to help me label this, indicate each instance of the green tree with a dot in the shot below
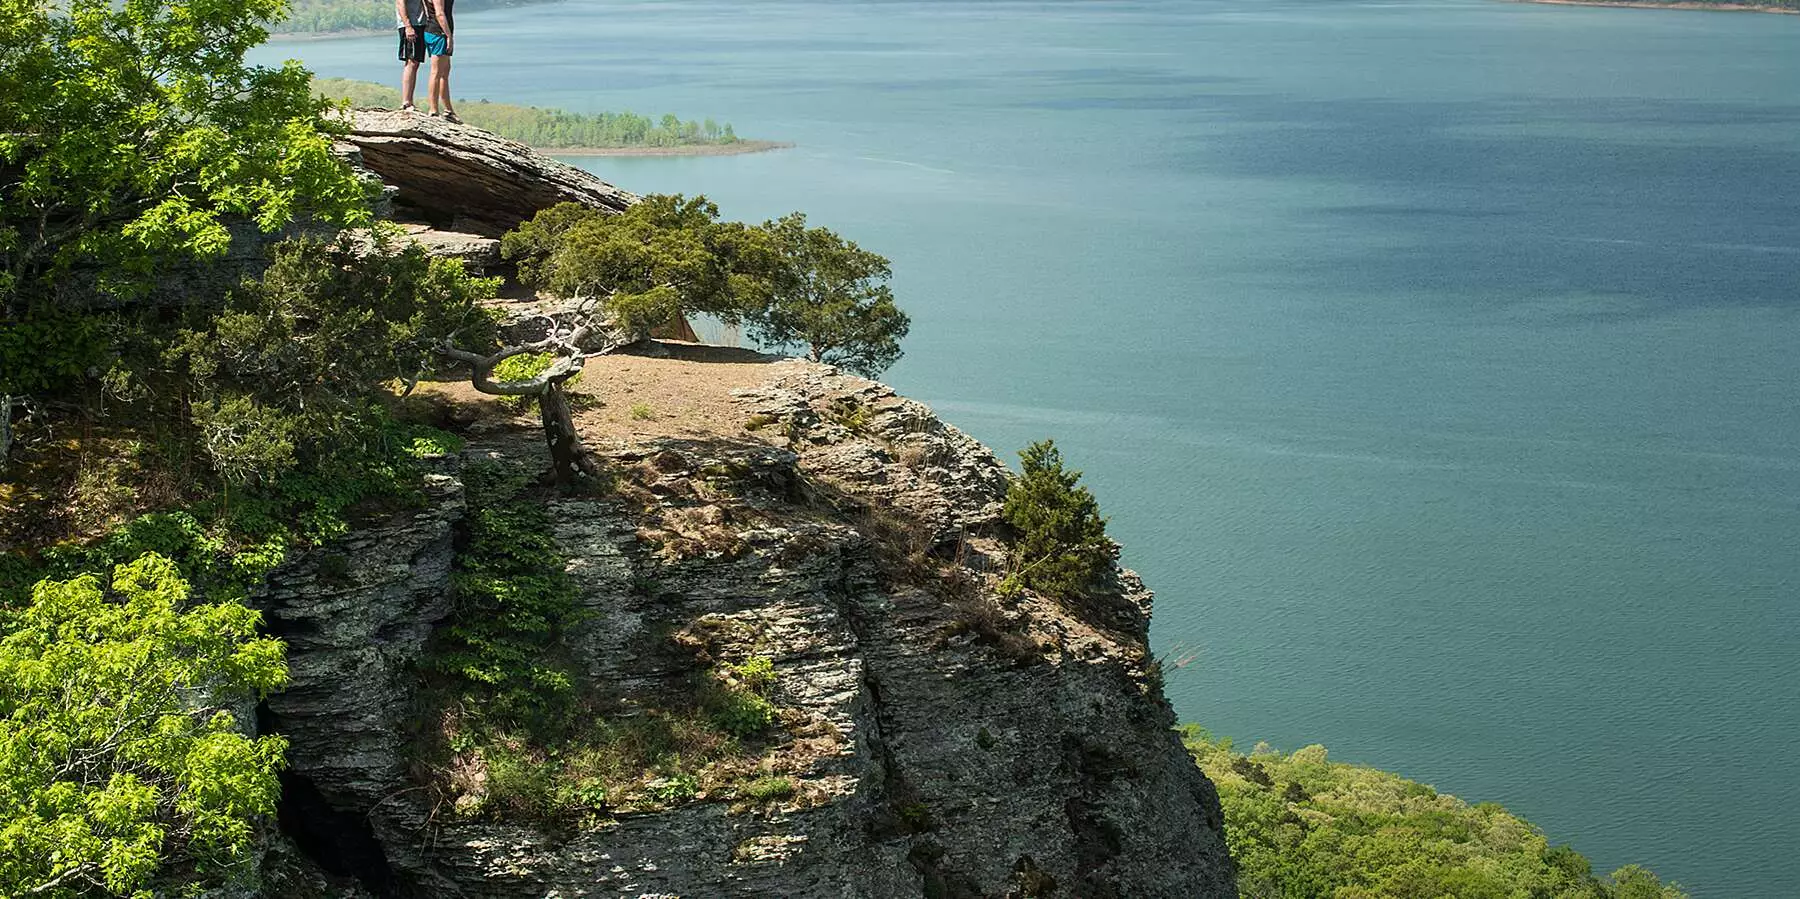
(119, 752)
(292, 367)
(1062, 547)
(830, 296)
(664, 257)
(133, 134)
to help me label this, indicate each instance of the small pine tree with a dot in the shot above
(1062, 546)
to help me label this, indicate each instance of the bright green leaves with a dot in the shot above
(119, 754)
(1062, 547)
(134, 133)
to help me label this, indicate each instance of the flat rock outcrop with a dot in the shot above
(461, 178)
(951, 743)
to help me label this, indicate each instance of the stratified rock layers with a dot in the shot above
(930, 759)
(466, 179)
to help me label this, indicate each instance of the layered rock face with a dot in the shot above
(955, 745)
(465, 179)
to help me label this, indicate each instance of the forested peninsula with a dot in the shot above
(570, 133)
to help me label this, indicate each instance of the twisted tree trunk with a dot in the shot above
(569, 458)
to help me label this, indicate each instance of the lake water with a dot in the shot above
(1438, 362)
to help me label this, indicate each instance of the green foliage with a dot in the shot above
(1062, 547)
(1301, 825)
(429, 443)
(674, 788)
(643, 412)
(830, 296)
(670, 256)
(524, 367)
(768, 789)
(270, 375)
(512, 597)
(119, 755)
(663, 257)
(548, 128)
(736, 700)
(43, 348)
(133, 133)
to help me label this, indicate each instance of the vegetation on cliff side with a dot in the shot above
(552, 129)
(1302, 826)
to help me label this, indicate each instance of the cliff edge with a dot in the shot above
(934, 742)
(807, 544)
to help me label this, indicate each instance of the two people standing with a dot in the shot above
(427, 30)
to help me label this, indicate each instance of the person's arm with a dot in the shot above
(444, 23)
(400, 13)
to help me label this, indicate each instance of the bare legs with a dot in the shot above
(409, 77)
(440, 85)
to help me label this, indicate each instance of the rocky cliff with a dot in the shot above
(941, 746)
(933, 737)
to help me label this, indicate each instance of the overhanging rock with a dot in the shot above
(465, 179)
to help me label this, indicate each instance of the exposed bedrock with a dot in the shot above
(464, 179)
(1026, 755)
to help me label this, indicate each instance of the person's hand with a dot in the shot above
(449, 44)
(411, 35)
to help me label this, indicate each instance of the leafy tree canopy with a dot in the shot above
(133, 134)
(1299, 824)
(118, 751)
(663, 257)
(829, 295)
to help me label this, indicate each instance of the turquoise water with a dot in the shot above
(1438, 362)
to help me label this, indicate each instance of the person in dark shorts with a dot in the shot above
(427, 30)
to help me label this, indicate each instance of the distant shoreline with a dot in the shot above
(328, 35)
(731, 149)
(1680, 4)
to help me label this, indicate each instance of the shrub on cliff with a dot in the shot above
(671, 256)
(1062, 547)
(292, 369)
(830, 296)
(664, 257)
(119, 754)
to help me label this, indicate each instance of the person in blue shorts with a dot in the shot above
(427, 30)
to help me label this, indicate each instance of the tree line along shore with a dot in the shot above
(571, 133)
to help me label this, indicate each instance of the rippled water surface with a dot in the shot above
(1438, 362)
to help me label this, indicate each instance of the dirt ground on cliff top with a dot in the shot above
(630, 397)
